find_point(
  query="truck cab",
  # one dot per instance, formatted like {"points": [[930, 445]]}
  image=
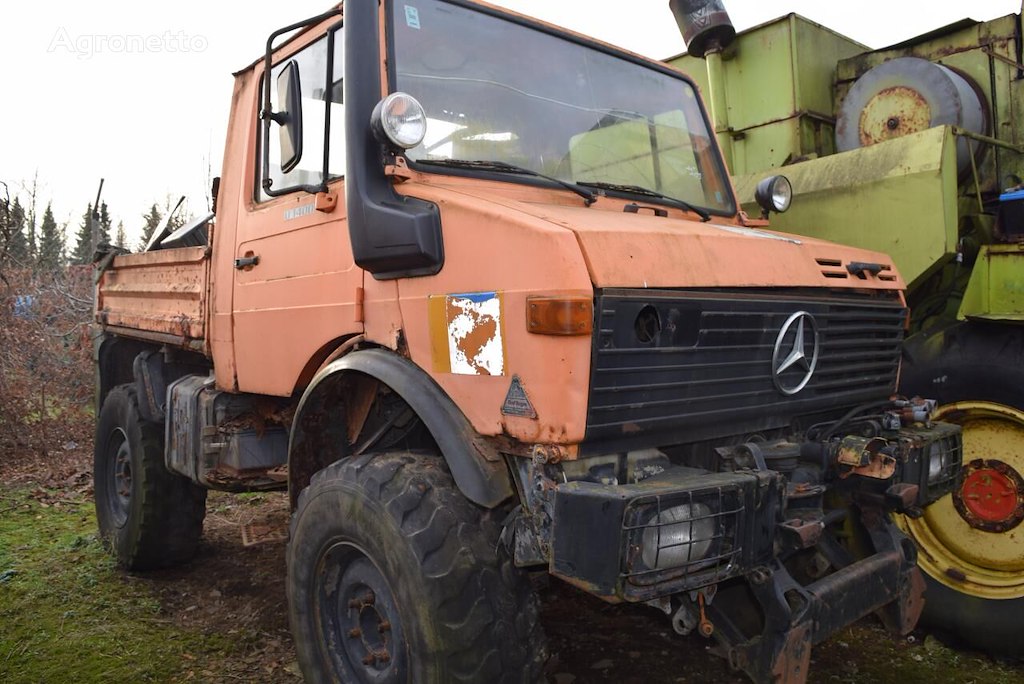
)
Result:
{"points": [[477, 291]]}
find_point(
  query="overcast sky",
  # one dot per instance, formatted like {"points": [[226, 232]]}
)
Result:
{"points": [[84, 102]]}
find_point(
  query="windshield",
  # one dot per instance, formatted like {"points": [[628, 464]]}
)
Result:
{"points": [[497, 90]]}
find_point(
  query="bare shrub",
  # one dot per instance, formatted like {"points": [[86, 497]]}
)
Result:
{"points": [[45, 368]]}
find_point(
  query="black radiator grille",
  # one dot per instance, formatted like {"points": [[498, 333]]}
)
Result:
{"points": [[693, 365]]}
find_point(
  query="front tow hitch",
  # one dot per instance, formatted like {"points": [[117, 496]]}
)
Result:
{"points": [[798, 616]]}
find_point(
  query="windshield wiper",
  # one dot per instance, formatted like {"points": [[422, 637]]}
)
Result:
{"points": [[640, 190], [504, 167]]}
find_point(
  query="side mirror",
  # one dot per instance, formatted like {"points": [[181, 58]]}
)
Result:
{"points": [[289, 99]]}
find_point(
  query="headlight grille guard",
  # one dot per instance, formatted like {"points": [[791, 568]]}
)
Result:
{"points": [[919, 441], [721, 529]]}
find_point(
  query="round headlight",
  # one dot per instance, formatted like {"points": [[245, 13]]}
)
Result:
{"points": [[678, 536], [774, 193], [399, 120]]}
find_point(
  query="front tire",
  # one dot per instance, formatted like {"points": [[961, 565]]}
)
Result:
{"points": [[394, 576], [972, 542], [148, 516]]}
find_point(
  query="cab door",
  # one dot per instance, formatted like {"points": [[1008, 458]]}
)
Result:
{"points": [[295, 281]]}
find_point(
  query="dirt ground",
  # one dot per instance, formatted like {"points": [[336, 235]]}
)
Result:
{"points": [[235, 588]]}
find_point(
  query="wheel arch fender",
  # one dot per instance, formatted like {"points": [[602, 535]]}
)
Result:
{"points": [[478, 470]]}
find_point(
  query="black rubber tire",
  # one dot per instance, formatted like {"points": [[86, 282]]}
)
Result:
{"points": [[979, 362], [156, 520], [456, 607], [969, 361]]}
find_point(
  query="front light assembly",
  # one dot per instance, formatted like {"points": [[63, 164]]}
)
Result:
{"points": [[943, 462], [932, 460], [680, 530], [399, 121], [679, 536], [773, 194], [693, 537]]}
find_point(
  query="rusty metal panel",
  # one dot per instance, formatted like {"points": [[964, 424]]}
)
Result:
{"points": [[778, 80], [896, 197], [996, 289], [986, 54], [161, 292]]}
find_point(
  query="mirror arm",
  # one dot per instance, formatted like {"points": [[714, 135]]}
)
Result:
{"points": [[328, 97], [280, 118], [267, 113]]}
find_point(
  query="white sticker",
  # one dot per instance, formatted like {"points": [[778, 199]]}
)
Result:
{"points": [[412, 17], [475, 346]]}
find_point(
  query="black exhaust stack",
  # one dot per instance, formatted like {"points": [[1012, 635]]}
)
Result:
{"points": [[705, 25]]}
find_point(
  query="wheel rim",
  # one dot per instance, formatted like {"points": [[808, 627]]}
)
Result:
{"points": [[358, 618], [971, 540], [119, 477]]}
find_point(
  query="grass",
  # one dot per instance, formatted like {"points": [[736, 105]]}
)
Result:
{"points": [[70, 615], [866, 653]]}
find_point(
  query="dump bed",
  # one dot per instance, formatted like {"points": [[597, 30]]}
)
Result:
{"points": [[159, 296]]}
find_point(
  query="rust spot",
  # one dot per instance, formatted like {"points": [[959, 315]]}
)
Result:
{"points": [[955, 574], [893, 113], [864, 457]]}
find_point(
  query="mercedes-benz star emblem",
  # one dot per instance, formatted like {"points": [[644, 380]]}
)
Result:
{"points": [[796, 353]]}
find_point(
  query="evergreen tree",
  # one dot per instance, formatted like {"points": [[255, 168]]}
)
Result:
{"points": [[121, 239], [152, 220], [85, 244], [105, 222], [51, 243], [17, 247], [82, 253]]}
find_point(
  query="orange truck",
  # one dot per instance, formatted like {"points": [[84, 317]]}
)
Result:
{"points": [[476, 291]]}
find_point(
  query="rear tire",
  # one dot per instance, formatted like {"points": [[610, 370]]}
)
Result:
{"points": [[975, 576], [394, 576], [148, 516]]}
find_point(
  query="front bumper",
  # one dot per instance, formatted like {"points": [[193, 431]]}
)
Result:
{"points": [[733, 542]]}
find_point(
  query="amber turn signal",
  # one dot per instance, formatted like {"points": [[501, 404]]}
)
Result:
{"points": [[553, 315]]}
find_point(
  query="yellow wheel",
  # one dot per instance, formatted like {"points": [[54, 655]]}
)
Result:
{"points": [[971, 542]]}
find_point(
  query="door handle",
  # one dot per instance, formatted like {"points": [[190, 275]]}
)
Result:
{"points": [[248, 261]]}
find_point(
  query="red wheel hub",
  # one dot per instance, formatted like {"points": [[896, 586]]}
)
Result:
{"points": [[991, 497]]}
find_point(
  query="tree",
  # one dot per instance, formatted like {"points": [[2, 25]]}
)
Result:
{"points": [[17, 246], [152, 220], [87, 240], [84, 245], [121, 239], [105, 221], [51, 243], [13, 247]]}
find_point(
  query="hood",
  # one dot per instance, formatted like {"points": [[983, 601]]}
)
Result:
{"points": [[638, 250], [624, 249]]}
